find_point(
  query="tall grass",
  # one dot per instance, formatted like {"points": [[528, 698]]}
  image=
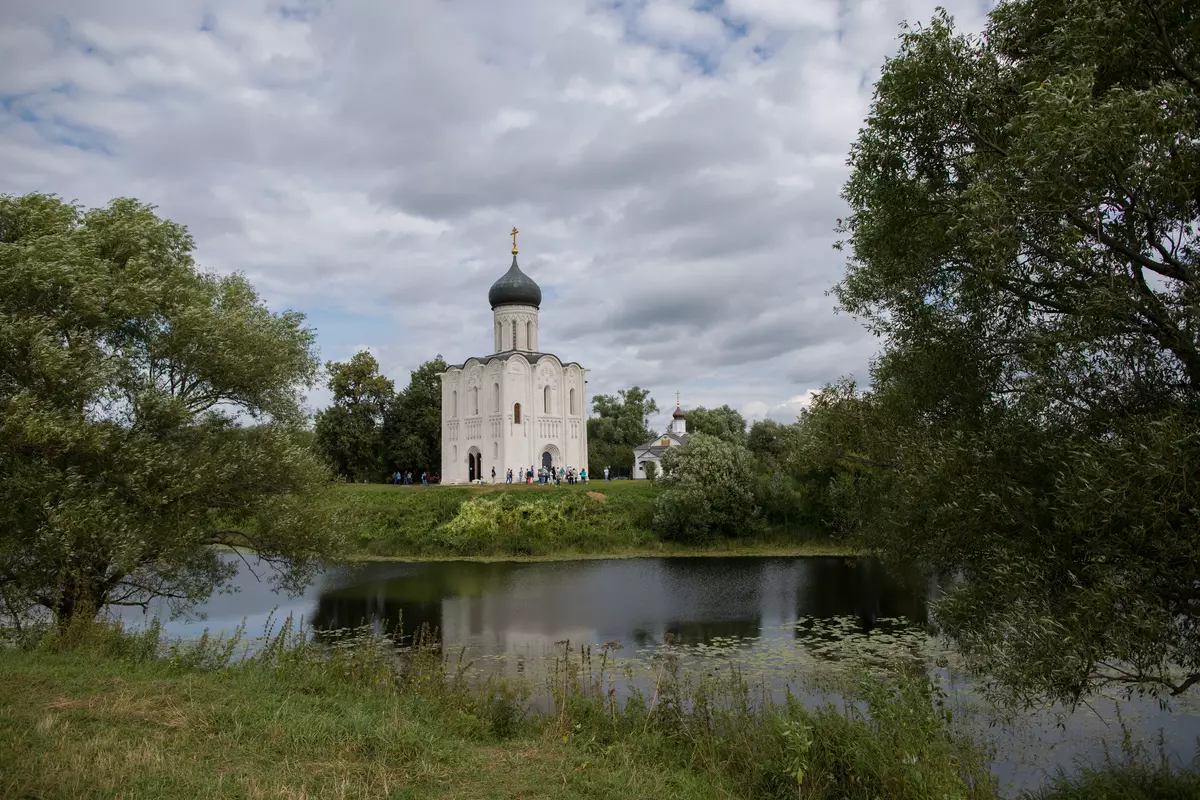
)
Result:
{"points": [[1135, 774], [887, 738]]}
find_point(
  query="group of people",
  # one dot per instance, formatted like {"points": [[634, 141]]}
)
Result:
{"points": [[546, 475], [406, 478]]}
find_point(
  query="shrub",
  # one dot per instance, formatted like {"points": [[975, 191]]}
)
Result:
{"points": [[710, 491]]}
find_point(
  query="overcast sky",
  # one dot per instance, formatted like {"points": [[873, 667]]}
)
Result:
{"points": [[674, 167]]}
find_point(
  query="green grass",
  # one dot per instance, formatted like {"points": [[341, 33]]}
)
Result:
{"points": [[529, 522], [78, 727], [110, 714]]}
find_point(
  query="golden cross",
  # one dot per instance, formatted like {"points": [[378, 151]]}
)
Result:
{"points": [[514, 235]]}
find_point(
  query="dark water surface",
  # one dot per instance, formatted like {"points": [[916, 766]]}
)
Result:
{"points": [[775, 617]]}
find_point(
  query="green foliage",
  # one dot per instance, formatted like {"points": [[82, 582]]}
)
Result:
{"points": [[412, 425], [124, 375], [724, 423], [104, 718], [1122, 783], [463, 521], [519, 521], [651, 470], [772, 443], [1023, 236], [710, 491], [349, 433], [619, 424]]}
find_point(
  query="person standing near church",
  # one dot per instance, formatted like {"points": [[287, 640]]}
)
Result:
{"points": [[606, 474], [493, 474]]}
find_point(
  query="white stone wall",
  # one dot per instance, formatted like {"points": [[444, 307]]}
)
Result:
{"points": [[515, 328], [491, 428], [639, 471]]}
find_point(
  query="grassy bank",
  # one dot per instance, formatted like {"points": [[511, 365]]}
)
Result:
{"points": [[113, 716], [501, 521], [99, 712]]}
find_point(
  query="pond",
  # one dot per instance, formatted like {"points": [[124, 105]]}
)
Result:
{"points": [[775, 617]]}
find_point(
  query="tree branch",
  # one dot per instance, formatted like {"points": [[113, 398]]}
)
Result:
{"points": [[1187, 684], [1169, 49], [1179, 272]]}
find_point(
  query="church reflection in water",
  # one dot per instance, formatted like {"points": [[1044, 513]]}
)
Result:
{"points": [[500, 608]]}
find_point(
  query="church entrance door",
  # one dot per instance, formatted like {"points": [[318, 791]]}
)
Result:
{"points": [[547, 460], [474, 466]]}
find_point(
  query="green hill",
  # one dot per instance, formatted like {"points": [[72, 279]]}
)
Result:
{"points": [[504, 521]]}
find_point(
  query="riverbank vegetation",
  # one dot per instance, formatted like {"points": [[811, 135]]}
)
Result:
{"points": [[616, 518], [92, 711]]}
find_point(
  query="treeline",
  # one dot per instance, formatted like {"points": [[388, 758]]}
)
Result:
{"points": [[728, 481], [370, 431]]}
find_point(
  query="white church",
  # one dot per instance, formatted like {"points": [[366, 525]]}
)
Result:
{"points": [[518, 407]]}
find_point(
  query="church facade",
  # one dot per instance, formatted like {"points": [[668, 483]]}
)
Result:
{"points": [[517, 407]]}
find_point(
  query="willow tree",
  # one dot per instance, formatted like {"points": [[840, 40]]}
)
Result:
{"points": [[149, 414], [1023, 233]]}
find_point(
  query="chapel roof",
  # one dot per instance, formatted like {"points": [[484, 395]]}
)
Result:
{"points": [[655, 447], [515, 288]]}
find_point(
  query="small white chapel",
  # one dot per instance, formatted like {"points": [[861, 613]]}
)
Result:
{"points": [[652, 451], [517, 407]]}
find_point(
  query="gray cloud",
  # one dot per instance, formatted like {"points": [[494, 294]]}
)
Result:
{"points": [[674, 171]]}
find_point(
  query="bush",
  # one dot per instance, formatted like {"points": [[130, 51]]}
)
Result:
{"points": [[710, 492], [779, 500]]}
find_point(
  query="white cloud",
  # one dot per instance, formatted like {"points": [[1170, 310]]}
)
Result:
{"points": [[674, 172]]}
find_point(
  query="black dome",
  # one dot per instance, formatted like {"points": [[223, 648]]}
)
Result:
{"points": [[677, 413], [515, 288]]}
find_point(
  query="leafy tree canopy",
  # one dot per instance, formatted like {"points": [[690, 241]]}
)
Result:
{"points": [[619, 424], [724, 423], [412, 425], [1025, 207], [771, 442], [124, 374], [349, 433]]}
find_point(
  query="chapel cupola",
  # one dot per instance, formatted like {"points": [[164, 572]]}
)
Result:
{"points": [[515, 299], [678, 419]]}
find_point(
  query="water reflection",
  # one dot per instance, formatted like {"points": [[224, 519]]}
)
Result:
{"points": [[510, 607], [766, 613]]}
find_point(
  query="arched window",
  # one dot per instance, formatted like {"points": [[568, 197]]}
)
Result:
{"points": [[454, 404], [546, 398], [456, 452], [475, 397], [572, 406], [514, 334], [528, 335], [499, 342], [496, 397], [516, 413], [495, 449]]}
